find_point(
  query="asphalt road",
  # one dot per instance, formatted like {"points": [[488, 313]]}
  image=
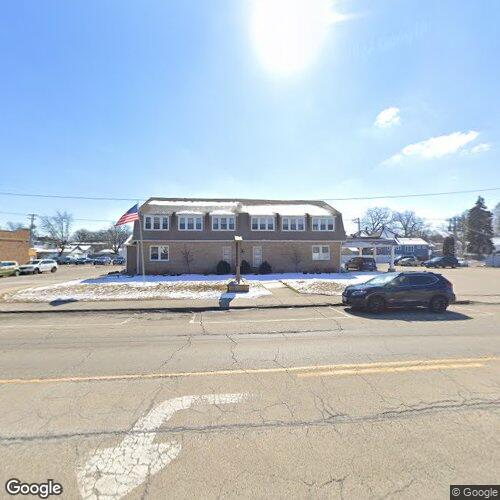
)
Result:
{"points": [[301, 403]]}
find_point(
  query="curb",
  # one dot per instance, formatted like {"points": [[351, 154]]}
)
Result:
{"points": [[198, 309], [194, 309]]}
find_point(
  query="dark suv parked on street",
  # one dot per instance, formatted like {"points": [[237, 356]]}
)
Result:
{"points": [[361, 264], [400, 290]]}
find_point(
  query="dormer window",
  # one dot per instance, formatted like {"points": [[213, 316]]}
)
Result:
{"points": [[323, 224], [190, 222], [223, 223], [156, 222], [265, 223], [293, 224]]}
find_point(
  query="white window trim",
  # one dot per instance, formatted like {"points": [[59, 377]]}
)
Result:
{"points": [[229, 216], [320, 253], [185, 216], [319, 218], [293, 217], [258, 224], [150, 216], [159, 253]]}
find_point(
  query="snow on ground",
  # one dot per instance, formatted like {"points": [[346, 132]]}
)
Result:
{"points": [[188, 286], [82, 290], [328, 284]]}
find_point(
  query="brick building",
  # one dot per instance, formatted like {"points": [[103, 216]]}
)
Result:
{"points": [[14, 245], [193, 235]]}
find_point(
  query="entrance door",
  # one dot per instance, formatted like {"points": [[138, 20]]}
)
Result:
{"points": [[226, 254], [257, 256]]}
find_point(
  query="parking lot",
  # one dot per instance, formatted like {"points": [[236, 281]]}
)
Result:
{"points": [[64, 273]]}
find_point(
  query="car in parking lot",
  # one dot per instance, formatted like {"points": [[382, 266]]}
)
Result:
{"points": [[409, 261], [445, 261], [361, 264], [401, 290], [399, 258], [104, 260], [39, 266], [9, 268], [118, 260], [83, 260]]}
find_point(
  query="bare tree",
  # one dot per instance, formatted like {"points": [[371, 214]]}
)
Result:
{"points": [[15, 226], [295, 257], [116, 236], [58, 228], [407, 224], [376, 218], [187, 257]]}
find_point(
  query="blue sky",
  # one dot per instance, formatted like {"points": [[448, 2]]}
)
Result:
{"points": [[120, 98]]}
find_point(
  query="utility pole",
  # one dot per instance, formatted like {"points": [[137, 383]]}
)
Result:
{"points": [[358, 222], [32, 227]]}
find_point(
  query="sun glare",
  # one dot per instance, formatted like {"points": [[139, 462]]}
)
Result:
{"points": [[288, 34]]}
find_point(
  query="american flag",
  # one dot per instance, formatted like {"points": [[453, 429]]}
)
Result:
{"points": [[130, 215]]}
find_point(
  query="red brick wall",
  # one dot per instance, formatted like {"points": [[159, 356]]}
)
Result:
{"points": [[14, 245]]}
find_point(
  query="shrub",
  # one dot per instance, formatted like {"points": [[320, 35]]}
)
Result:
{"points": [[223, 267], [265, 268], [245, 267]]}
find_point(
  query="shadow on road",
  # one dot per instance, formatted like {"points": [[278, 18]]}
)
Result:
{"points": [[61, 302], [411, 314]]}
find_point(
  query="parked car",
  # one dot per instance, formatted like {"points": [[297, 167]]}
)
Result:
{"points": [[399, 258], [409, 261], [83, 260], [9, 268], [446, 261], [119, 260], [399, 290], [39, 266], [64, 260], [105, 260], [361, 264]]}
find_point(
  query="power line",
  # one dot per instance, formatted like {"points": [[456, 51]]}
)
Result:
{"points": [[37, 215], [67, 197], [414, 195], [355, 198]]}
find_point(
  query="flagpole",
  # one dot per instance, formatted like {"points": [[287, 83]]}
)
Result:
{"points": [[142, 248]]}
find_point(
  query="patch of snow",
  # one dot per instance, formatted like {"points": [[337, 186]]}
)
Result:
{"points": [[84, 290], [329, 284]]}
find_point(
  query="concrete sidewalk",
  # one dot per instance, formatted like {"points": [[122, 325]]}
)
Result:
{"points": [[471, 286]]}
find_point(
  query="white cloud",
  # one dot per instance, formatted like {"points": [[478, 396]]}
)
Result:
{"points": [[388, 117], [480, 148], [435, 147]]}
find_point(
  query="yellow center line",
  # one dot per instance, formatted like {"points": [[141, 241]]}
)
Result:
{"points": [[355, 368], [396, 369]]}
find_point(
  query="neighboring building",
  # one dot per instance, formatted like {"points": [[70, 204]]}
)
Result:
{"points": [[48, 250], [193, 235], [15, 245], [405, 246]]}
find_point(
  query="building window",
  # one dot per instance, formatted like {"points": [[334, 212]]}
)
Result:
{"points": [[323, 224], [156, 222], [293, 224], [262, 223], [320, 252], [223, 223], [158, 253], [190, 222], [409, 248]]}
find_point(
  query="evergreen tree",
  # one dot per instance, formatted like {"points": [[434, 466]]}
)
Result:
{"points": [[449, 246], [479, 228]]}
